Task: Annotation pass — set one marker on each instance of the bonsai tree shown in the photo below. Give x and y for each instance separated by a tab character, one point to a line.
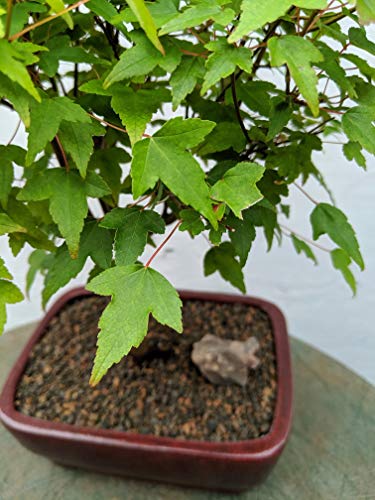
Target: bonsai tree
235	96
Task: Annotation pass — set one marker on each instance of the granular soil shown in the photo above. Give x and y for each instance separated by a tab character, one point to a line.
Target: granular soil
157	389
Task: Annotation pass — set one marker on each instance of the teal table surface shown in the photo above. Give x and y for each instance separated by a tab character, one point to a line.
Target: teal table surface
330	454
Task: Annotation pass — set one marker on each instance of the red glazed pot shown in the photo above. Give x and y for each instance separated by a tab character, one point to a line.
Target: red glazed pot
231	466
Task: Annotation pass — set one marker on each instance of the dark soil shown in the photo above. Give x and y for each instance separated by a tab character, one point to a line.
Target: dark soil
159	392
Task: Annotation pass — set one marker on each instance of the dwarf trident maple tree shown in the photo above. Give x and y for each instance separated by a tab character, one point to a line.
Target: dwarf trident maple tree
235	95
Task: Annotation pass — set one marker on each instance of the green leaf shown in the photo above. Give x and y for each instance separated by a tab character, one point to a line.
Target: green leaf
95	186
302	247
164	157
95	242
136	293
13	68
353	151
4	273
58	6
197	14
298	54
242	235
60	49
139	60
102	8
9	294
17	96
109	163
358	125
224	136
191	221
331	65
77	140
281	113
31	232
6	180
256	14
132	227
161	11
366	70
264	214
38	262
223	62
136	108
327	219
8	225
341	261
146	21
222	259
238	188
46	119
68	205
185	77
357	37
256	95
21	13
366	11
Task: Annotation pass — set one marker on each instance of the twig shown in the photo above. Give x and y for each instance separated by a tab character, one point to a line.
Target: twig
194	54
9	18
111	125
47	20
65	160
163	243
139	201
237	108
306	193
109	36
301	237
76	76
14	133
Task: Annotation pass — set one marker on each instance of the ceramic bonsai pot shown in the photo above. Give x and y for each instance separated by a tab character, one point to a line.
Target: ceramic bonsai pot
231	466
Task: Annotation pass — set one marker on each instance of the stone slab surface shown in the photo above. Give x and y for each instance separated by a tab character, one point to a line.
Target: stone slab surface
330	455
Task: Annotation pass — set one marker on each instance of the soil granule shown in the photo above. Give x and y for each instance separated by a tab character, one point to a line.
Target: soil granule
158	391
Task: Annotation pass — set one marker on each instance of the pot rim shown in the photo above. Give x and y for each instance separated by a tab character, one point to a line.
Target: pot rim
265	446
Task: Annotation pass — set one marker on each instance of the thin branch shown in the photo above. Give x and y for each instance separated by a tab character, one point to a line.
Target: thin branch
306	193
111	125
14	133
65	159
32	27
109	36
9	18
76	77
163	243
237	108
301	237
259	52
315	130
137	202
